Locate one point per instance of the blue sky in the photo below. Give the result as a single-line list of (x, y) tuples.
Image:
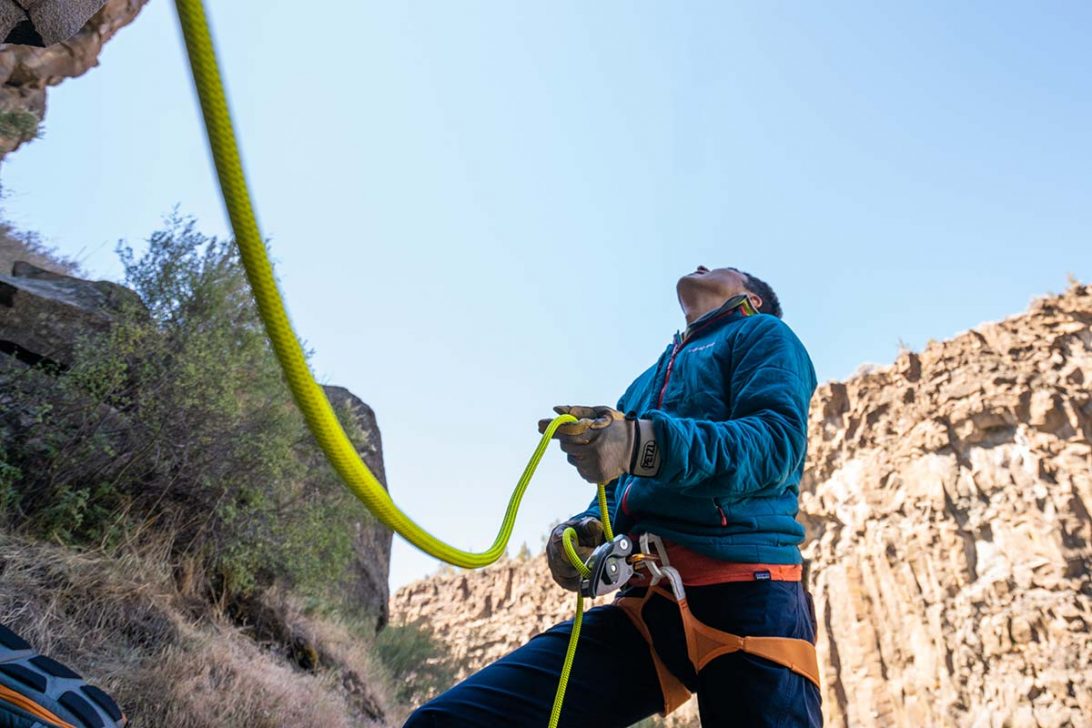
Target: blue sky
[(480, 209)]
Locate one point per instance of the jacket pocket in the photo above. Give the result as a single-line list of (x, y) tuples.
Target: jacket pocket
[(722, 517)]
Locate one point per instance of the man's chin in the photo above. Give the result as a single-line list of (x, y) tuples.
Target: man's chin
[(690, 282)]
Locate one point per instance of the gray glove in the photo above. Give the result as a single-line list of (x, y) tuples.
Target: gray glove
[(603, 444), (589, 534)]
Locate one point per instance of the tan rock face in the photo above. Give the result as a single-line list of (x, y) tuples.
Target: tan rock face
[(946, 500), (483, 615), (26, 71), (947, 505)]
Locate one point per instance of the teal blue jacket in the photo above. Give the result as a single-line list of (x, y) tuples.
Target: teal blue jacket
[(728, 400)]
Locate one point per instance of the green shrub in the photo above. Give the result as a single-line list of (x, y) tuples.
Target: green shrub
[(20, 124), (416, 661), (177, 419)]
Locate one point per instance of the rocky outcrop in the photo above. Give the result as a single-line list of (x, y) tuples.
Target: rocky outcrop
[(368, 580), (947, 501), (45, 315), (947, 504), (27, 71)]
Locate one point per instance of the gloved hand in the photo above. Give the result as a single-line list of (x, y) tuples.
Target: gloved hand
[(603, 444), (589, 534)]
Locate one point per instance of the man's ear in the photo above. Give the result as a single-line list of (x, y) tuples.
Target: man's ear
[(756, 300)]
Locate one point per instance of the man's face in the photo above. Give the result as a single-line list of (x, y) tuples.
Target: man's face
[(722, 283)]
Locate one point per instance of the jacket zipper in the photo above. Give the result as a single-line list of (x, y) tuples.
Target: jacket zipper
[(680, 342), (625, 494), (667, 374)]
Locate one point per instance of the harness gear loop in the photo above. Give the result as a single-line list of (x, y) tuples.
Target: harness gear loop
[(703, 643)]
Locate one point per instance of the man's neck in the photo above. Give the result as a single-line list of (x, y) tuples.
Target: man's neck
[(730, 302), (699, 306)]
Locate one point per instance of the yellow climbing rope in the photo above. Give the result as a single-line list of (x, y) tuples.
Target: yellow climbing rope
[(567, 537), (309, 397)]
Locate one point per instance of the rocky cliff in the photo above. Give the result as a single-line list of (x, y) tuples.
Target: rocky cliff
[(482, 615), (946, 499), (26, 71)]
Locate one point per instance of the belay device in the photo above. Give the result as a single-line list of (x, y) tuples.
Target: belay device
[(609, 567)]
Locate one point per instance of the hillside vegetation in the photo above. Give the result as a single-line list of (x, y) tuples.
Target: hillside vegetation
[(168, 524)]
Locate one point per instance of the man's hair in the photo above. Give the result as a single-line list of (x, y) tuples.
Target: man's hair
[(759, 287)]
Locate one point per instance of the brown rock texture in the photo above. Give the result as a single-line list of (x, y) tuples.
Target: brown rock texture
[(946, 499), (483, 615), (26, 71), (947, 504)]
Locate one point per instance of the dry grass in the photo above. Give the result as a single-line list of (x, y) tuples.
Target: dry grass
[(217, 681), (17, 245), (171, 661)]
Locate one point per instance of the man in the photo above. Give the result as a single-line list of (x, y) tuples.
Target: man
[(708, 456)]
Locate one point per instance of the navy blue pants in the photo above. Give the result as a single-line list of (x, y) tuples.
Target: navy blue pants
[(613, 682)]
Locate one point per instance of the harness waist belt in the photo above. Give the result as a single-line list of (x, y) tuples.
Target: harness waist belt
[(700, 570)]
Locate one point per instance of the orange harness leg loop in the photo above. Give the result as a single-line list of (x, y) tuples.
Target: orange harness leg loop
[(704, 644), (674, 692)]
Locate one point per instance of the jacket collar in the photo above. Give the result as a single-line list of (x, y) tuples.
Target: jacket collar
[(736, 307)]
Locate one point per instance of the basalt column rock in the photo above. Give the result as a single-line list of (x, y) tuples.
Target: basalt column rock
[(947, 503)]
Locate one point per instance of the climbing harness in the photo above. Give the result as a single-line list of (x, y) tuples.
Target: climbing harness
[(703, 643)]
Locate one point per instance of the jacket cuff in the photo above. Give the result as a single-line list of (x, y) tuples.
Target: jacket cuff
[(646, 451)]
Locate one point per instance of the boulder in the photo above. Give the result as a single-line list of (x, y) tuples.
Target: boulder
[(45, 315), (367, 583)]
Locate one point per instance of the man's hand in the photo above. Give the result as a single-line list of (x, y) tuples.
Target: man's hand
[(589, 534), (602, 444)]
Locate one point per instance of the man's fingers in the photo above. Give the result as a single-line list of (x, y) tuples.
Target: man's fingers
[(576, 439), (582, 430), (579, 411), (601, 421), (590, 531)]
